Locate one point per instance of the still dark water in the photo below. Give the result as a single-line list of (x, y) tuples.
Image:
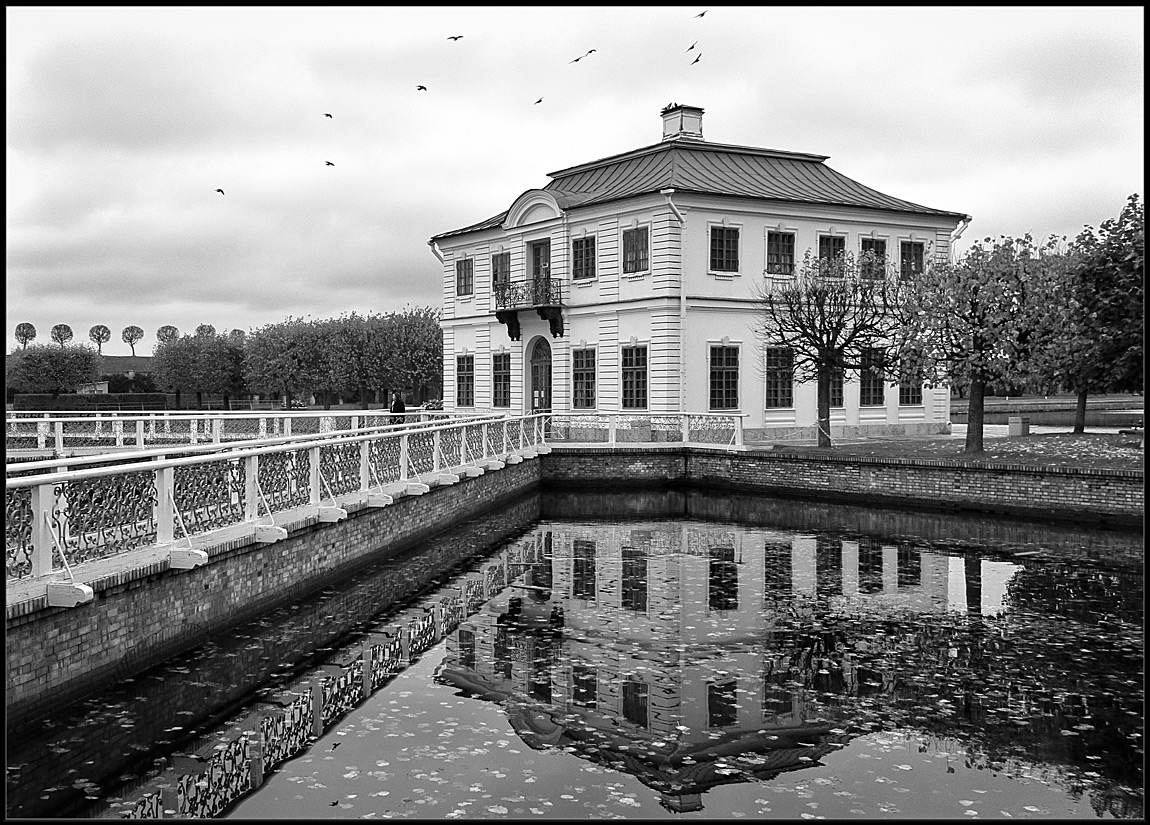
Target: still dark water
[(680, 654)]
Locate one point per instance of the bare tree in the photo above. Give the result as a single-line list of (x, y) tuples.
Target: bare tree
[(100, 335), (131, 335), (25, 333), (61, 334), (830, 317)]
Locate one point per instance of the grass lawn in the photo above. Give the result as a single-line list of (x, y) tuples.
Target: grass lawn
[(1106, 451)]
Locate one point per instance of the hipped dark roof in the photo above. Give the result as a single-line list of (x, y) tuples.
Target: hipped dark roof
[(694, 166)]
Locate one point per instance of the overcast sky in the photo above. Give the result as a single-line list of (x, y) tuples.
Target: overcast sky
[(122, 123)]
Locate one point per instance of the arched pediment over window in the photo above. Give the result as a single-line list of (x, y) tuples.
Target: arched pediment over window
[(533, 206)]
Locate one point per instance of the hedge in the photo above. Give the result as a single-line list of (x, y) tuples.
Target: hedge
[(108, 401)]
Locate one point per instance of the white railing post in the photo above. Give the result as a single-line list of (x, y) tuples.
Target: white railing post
[(611, 423), (164, 509), (251, 487), (43, 503), (194, 430), (59, 436), (364, 465), (738, 431), (403, 457), (462, 445), (152, 425), (685, 426), (140, 433), (436, 445), (263, 427), (354, 423), (217, 430), (313, 476), (287, 425), (118, 431), (484, 439), (42, 434)]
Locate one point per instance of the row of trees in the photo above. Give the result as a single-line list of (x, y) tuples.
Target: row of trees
[(1055, 317), (361, 356), (98, 334)]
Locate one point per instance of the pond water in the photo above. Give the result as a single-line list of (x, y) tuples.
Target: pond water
[(685, 654)]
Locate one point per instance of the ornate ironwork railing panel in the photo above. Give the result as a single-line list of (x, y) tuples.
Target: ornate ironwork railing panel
[(579, 428), (103, 516), (420, 453), (18, 531), (474, 597), (424, 633), (387, 661), (383, 456), (285, 479), (228, 775), (494, 579), (536, 292), (710, 429), (210, 495), (286, 734), (449, 441), (149, 806), (342, 693), (473, 433), (452, 612), (339, 464)]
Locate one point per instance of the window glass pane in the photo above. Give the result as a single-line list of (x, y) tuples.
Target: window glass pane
[(780, 253), (541, 259), (501, 380), (463, 277), (634, 375), (635, 250), (780, 377), (465, 381), (910, 259), (877, 268), (583, 378), (871, 379), (724, 378), (830, 248), (724, 249), (583, 258)]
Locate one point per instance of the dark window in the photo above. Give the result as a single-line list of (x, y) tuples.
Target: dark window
[(831, 248), (721, 705), (777, 572), (724, 249), (465, 381), (583, 258), (466, 649), (723, 581), (910, 388), (876, 269), (584, 686), (870, 566), (635, 578), (501, 379), (464, 277), (541, 259), (583, 378), (871, 379), (780, 375), (910, 259), (635, 702), (635, 250), (724, 378), (543, 657), (837, 376), (500, 270), (778, 696), (635, 378), (909, 566), (780, 253), (583, 574)]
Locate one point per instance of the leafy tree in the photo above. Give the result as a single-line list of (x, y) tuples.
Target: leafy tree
[(174, 363), (414, 349), (61, 334), (281, 358), (41, 368), (131, 336), (971, 320), (25, 333), (167, 333), (832, 316), (100, 335), (357, 356)]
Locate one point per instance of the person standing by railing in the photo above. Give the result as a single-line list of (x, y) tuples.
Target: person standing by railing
[(397, 409)]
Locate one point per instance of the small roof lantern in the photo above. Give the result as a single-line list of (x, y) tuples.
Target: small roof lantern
[(681, 121)]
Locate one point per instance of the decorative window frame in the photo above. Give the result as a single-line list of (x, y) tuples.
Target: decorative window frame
[(583, 346), (465, 297), (876, 236), (780, 228), (634, 224), (912, 237), (725, 223), (579, 235), (725, 341), (830, 232), (623, 345)]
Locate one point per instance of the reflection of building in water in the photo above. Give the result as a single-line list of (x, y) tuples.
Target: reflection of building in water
[(687, 653)]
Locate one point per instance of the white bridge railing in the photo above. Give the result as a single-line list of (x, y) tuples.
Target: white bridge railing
[(58, 514), (99, 431)]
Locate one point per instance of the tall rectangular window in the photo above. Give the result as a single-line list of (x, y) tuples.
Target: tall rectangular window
[(464, 277), (909, 388), (910, 259), (837, 376), (541, 259), (780, 375), (722, 704), (871, 379), (634, 596), (781, 253), (875, 269), (465, 381), (583, 379), (583, 258), (635, 695), (584, 686), (830, 248), (635, 378), (501, 379), (724, 249), (635, 253), (500, 271), (583, 572), (724, 378), (723, 581)]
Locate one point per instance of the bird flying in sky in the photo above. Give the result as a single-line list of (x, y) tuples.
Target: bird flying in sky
[(326, 114), (693, 45), (704, 11), (580, 57), (221, 191), (696, 60), (540, 100), (329, 163), (456, 37), (421, 88)]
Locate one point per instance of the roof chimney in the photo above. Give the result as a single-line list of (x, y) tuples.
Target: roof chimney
[(682, 122)]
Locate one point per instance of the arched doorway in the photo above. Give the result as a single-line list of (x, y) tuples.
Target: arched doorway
[(541, 376)]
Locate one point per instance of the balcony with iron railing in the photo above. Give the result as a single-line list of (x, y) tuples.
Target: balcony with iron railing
[(543, 294)]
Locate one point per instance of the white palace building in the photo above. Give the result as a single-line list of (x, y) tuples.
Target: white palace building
[(628, 284)]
